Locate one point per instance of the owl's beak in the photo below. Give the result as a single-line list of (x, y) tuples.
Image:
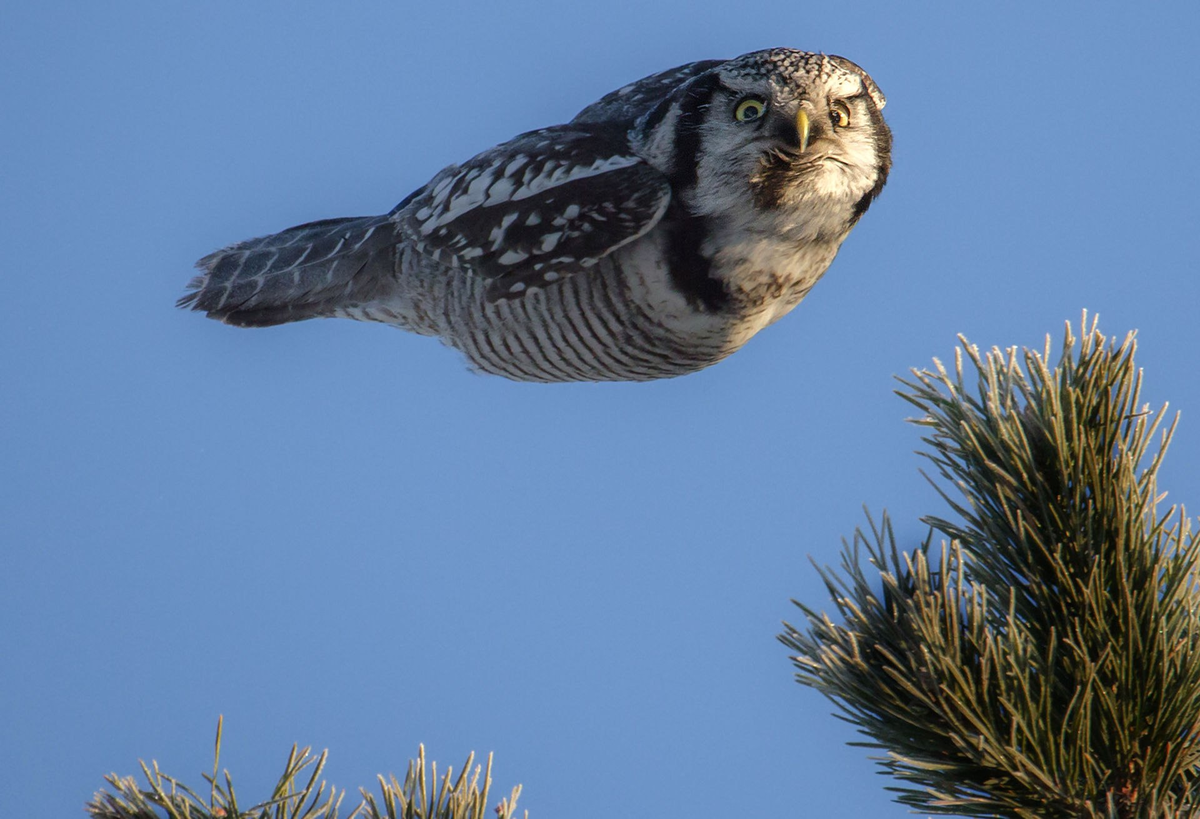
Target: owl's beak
[(802, 129)]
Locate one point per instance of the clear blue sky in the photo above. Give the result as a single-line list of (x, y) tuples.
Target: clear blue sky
[(334, 534)]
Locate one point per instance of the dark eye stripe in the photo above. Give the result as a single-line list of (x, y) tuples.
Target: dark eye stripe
[(688, 268), (696, 101), (883, 149)]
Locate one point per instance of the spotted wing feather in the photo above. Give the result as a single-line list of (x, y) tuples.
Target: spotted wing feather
[(537, 209), (629, 102)]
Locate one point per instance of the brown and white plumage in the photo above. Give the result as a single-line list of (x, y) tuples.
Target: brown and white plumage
[(649, 237)]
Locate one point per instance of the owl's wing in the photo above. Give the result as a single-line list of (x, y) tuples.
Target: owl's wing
[(631, 101), (536, 209)]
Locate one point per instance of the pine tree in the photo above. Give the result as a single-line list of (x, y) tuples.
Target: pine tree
[(1043, 659), (300, 794)]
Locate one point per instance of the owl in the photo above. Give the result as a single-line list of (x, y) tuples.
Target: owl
[(649, 237)]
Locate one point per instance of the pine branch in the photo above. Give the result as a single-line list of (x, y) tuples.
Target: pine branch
[(422, 795), (1044, 660)]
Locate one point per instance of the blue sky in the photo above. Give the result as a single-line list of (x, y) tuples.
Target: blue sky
[(335, 535)]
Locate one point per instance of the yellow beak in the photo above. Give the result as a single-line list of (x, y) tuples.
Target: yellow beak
[(802, 129)]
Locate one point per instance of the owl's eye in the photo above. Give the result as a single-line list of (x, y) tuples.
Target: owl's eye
[(839, 114), (749, 109)]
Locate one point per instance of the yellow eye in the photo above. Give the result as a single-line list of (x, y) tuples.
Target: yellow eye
[(839, 114), (749, 110)]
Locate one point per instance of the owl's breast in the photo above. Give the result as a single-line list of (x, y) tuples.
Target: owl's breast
[(767, 273), (617, 320)]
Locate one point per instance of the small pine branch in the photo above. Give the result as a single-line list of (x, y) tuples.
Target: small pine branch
[(1044, 660), (296, 796), (448, 798)]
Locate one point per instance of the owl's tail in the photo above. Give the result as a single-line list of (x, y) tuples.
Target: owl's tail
[(304, 272)]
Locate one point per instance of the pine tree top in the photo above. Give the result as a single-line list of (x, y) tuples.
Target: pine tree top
[(1043, 659)]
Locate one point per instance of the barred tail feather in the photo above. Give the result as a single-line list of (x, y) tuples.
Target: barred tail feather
[(304, 272)]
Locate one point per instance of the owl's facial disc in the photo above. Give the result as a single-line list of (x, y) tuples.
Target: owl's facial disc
[(775, 130), (823, 147), (820, 140)]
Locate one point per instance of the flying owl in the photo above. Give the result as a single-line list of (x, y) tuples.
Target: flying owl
[(649, 237)]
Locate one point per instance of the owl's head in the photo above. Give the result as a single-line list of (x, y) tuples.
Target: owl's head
[(777, 130)]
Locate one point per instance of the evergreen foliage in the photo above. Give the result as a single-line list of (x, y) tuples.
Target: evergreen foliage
[(1044, 659), (421, 796)]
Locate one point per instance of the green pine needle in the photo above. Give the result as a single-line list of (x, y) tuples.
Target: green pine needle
[(1044, 660), (297, 796)]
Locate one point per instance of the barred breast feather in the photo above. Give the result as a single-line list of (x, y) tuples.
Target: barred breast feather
[(620, 322)]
